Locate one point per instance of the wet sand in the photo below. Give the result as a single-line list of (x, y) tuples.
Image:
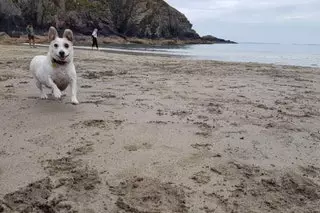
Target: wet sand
[(160, 134)]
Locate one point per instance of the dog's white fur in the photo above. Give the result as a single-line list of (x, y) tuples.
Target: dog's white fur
[(56, 70)]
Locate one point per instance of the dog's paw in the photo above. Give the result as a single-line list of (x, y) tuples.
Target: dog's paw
[(57, 94), (44, 96), (74, 101)]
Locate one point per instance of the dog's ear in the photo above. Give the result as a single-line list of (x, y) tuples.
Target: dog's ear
[(68, 34), (53, 34)]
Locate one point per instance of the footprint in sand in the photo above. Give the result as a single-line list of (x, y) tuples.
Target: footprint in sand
[(87, 148), (68, 182), (201, 177), (5, 77), (201, 146), (133, 148), (85, 86), (258, 190), (97, 123), (142, 194)]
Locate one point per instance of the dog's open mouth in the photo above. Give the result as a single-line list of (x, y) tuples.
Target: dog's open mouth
[(60, 60), (63, 58)]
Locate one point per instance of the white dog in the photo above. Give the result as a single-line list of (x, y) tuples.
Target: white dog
[(56, 70)]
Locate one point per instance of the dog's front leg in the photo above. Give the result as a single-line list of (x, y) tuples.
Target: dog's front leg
[(73, 84), (56, 92)]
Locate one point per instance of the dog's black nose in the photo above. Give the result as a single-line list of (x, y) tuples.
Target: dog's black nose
[(61, 53)]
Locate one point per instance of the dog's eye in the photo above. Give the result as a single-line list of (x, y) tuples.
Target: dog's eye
[(56, 45), (66, 46)]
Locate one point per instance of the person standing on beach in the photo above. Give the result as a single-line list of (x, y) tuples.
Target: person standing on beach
[(30, 32), (94, 38)]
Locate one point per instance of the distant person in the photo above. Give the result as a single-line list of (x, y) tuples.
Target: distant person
[(94, 38), (30, 32)]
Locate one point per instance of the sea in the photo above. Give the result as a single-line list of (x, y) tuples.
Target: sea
[(281, 54)]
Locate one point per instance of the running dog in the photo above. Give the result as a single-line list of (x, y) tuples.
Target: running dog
[(56, 70)]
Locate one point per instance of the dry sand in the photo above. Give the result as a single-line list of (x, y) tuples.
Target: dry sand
[(160, 134)]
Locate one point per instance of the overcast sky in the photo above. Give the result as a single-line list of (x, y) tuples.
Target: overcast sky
[(274, 21)]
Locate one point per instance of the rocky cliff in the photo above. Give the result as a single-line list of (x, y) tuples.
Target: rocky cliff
[(125, 18)]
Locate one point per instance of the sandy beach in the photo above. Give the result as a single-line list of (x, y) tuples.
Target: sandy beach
[(157, 134)]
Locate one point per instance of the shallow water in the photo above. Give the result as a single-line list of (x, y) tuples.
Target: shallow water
[(284, 54)]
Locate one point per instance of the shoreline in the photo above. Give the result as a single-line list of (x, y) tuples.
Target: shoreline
[(119, 51), (184, 54), (173, 54)]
